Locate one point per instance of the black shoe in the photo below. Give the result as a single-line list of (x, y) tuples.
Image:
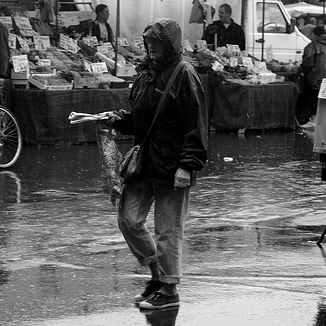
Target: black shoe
[(151, 288), (160, 301)]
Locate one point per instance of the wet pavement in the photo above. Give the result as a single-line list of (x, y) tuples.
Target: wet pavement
[(250, 253)]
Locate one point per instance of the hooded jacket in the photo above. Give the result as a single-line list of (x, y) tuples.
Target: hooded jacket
[(179, 137), (314, 62)]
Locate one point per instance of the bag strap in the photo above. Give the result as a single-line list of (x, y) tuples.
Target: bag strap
[(163, 97)]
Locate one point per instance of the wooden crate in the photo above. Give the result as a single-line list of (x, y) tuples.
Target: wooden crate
[(20, 83)]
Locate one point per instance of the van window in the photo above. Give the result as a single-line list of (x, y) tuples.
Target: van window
[(274, 21)]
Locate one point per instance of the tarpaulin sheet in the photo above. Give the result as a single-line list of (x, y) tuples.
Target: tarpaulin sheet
[(43, 115), (262, 106)]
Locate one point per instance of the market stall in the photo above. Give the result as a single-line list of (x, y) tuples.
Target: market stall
[(254, 106), (49, 81), (43, 115)]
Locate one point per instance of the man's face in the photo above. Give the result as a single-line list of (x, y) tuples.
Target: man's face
[(224, 17), (104, 14), (156, 50)]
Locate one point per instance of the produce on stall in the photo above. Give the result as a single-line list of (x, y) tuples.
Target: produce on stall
[(78, 63)]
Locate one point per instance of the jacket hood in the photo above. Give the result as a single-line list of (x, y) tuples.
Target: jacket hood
[(168, 31)]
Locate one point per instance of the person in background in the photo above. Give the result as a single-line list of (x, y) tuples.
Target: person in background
[(5, 12), (301, 22), (100, 27), (228, 32), (308, 30), (4, 53), (314, 69), (175, 150)]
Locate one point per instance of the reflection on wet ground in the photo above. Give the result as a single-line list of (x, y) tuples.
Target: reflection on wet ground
[(249, 256)]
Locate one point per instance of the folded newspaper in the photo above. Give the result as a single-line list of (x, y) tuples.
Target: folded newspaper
[(78, 117)]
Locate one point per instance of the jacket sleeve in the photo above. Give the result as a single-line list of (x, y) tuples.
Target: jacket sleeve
[(193, 154), (308, 58)]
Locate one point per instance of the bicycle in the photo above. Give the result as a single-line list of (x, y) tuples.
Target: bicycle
[(11, 141)]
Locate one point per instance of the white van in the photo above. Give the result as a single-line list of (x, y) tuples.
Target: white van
[(280, 31), (279, 34)]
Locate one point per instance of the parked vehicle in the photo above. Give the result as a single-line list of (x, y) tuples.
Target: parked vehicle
[(269, 25)]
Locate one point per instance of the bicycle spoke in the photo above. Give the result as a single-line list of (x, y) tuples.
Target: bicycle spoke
[(10, 138)]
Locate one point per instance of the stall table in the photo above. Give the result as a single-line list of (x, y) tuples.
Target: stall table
[(264, 106), (43, 115)]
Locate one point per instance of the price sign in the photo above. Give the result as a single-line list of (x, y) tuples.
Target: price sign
[(87, 41), (99, 67), (23, 43), (41, 42), (217, 66), (88, 66), (201, 44), (91, 41), (103, 49), (139, 43), (20, 63), (12, 40), (44, 62), (260, 65), (322, 90), (22, 22), (94, 41), (109, 45), (233, 62), (7, 22), (68, 44), (122, 41), (186, 46), (234, 48), (24, 26), (247, 62)]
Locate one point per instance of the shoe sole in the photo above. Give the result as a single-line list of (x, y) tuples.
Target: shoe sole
[(149, 312), (145, 305)]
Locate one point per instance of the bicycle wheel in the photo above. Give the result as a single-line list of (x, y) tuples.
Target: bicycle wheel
[(11, 142)]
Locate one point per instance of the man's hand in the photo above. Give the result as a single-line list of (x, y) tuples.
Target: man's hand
[(182, 178)]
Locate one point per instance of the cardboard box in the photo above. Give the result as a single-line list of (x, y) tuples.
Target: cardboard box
[(63, 87), (20, 75), (266, 77), (85, 82), (127, 70)]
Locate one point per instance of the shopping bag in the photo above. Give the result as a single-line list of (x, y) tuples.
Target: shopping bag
[(111, 160), (130, 167)]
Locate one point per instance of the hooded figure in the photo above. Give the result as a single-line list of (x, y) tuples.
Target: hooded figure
[(314, 67), (181, 132), (314, 59), (175, 149)]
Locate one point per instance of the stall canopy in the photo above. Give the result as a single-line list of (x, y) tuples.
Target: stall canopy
[(298, 9)]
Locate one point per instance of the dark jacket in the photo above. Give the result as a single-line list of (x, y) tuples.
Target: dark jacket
[(4, 52), (232, 35), (96, 32), (314, 62), (179, 137)]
